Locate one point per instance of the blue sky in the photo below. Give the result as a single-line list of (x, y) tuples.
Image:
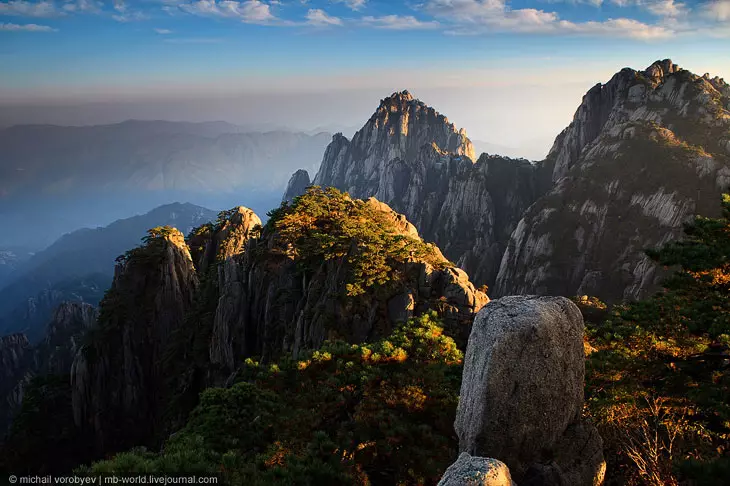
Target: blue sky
[(122, 50), (66, 43)]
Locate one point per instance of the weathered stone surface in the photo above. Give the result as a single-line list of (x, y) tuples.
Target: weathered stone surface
[(116, 379), (20, 362), (298, 183), (410, 157), (70, 322), (15, 359), (522, 391), (644, 153), (267, 307), (476, 471), (522, 351)]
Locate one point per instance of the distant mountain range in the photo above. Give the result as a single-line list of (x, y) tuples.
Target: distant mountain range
[(79, 266), (63, 178)]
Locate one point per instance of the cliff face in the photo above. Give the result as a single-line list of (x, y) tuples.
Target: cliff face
[(645, 153), (410, 157), (15, 359), (278, 297), (298, 183), (21, 362), (116, 374), (64, 334)]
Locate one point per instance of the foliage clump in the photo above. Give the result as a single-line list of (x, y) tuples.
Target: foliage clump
[(658, 385), (326, 224), (379, 413)]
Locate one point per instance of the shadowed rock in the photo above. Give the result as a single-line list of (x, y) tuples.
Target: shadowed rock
[(522, 392), (297, 185)]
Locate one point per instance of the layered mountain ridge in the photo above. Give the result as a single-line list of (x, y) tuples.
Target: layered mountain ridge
[(645, 151), (184, 314)]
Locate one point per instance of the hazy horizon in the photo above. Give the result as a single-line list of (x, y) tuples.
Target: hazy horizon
[(512, 73)]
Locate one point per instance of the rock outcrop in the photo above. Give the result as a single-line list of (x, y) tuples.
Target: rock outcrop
[(116, 377), (21, 361), (64, 334), (522, 392), (476, 471), (645, 153), (298, 183), (15, 359), (272, 303)]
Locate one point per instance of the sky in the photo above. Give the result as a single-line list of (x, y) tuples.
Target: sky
[(511, 72)]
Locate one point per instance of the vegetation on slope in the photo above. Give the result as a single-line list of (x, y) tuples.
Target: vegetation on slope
[(378, 413), (658, 379), (326, 224)]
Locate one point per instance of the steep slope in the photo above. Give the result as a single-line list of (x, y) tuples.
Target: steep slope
[(79, 267), (410, 157), (15, 358), (116, 376), (332, 267), (645, 152), (21, 361)]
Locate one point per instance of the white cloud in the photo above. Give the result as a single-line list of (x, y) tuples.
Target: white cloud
[(717, 10), (666, 8), (29, 9), (479, 16), (163, 31), (660, 8), (25, 27), (353, 4), (130, 17), (320, 18), (249, 11), (399, 22), (86, 6)]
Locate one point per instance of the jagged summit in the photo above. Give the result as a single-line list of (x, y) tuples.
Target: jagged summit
[(398, 130), (659, 69), (402, 104)]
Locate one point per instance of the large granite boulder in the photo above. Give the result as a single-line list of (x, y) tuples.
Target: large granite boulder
[(522, 392)]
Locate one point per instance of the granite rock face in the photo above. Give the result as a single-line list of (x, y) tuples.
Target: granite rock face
[(116, 378), (410, 157), (268, 307), (21, 361), (476, 471), (522, 392), (298, 183), (15, 360), (71, 320), (645, 152)]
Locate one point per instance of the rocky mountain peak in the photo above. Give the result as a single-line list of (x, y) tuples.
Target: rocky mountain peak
[(298, 183), (663, 94), (647, 150), (660, 69), (118, 373), (398, 130)]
